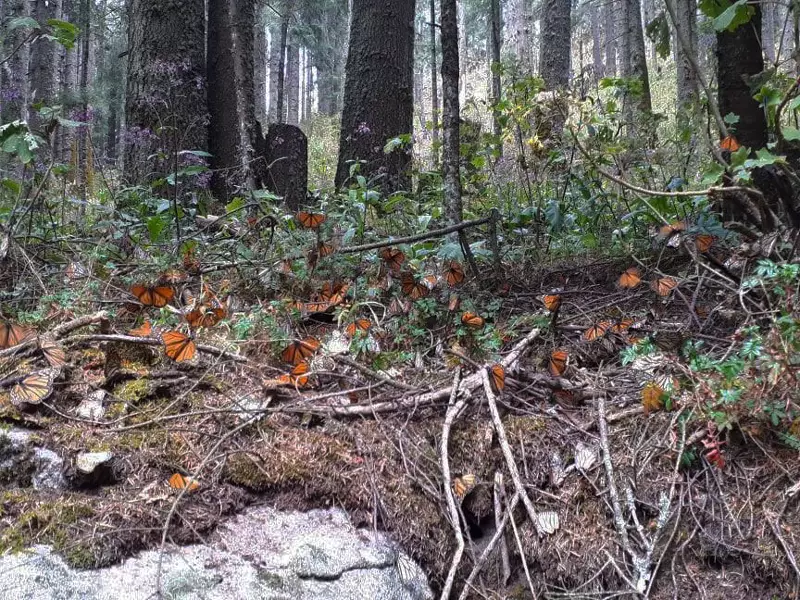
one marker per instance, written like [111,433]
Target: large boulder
[24,464]
[262,554]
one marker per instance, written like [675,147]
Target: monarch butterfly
[663,286]
[671,229]
[181,482]
[333,292]
[497,378]
[358,325]
[143,331]
[631,278]
[454,274]
[652,397]
[552,302]
[622,325]
[310,220]
[597,331]
[413,288]
[12,334]
[299,350]
[548,521]
[34,388]
[157,296]
[393,257]
[463,485]
[730,144]
[557,365]
[703,242]
[324,249]
[299,374]
[205,316]
[585,457]
[178,346]
[173,277]
[472,320]
[52,351]
[398,306]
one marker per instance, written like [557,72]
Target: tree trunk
[496,25]
[463,53]
[554,52]
[378,96]
[598,69]
[165,107]
[280,90]
[451,118]
[14,76]
[233,132]
[634,63]
[520,25]
[434,84]
[768,30]
[739,56]
[687,80]
[43,67]
[309,85]
[260,66]
[274,60]
[610,12]
[116,84]
[293,82]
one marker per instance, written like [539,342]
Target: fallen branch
[416,238]
[453,408]
[370,373]
[58,332]
[150,341]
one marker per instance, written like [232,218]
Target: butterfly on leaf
[663,285]
[53,351]
[205,316]
[183,482]
[703,242]
[557,365]
[357,325]
[729,144]
[145,330]
[12,334]
[179,346]
[310,220]
[671,229]
[454,274]
[552,302]
[299,350]
[412,288]
[394,258]
[596,331]
[157,296]
[497,378]
[472,320]
[34,388]
[464,485]
[324,249]
[333,292]
[631,278]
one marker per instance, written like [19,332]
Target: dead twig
[453,408]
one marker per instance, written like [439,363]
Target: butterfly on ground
[497,378]
[324,249]
[179,346]
[631,278]
[547,521]
[472,320]
[652,397]
[53,351]
[394,258]
[205,316]
[597,331]
[34,388]
[454,303]
[671,229]
[454,273]
[663,285]
[703,242]
[413,288]
[558,363]
[552,302]
[183,482]
[299,350]
[153,295]
[144,330]
[357,325]
[310,220]
[464,485]
[12,334]
[173,277]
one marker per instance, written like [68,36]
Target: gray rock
[22,464]
[260,555]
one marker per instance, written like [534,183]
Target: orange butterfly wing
[178,346]
[144,331]
[472,320]
[703,242]
[412,288]
[552,302]
[53,352]
[299,350]
[157,296]
[597,331]
[310,220]
[179,482]
[393,257]
[558,363]
[630,278]
[497,378]
[729,143]
[663,286]
[12,334]
[454,274]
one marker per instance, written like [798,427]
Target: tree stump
[287,160]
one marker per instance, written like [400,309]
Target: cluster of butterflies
[675,234]
[207,311]
[37,386]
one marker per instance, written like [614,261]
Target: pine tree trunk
[274,60]
[434,83]
[233,133]
[554,56]
[280,90]
[463,49]
[634,63]
[43,67]
[165,106]
[260,67]
[451,118]
[378,95]
[520,25]
[687,81]
[309,85]
[496,40]
[768,30]
[610,27]
[293,83]
[14,76]
[598,69]
[739,56]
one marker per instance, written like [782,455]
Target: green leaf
[235,205]
[790,134]
[155,226]
[20,22]
[731,119]
[63,32]
[658,32]
[763,158]
[735,15]
[713,174]
[200,153]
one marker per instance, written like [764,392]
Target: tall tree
[634,62]
[451,118]
[260,66]
[13,75]
[434,83]
[232,130]
[555,48]
[275,58]
[598,68]
[44,56]
[610,30]
[165,108]
[739,58]
[520,25]
[378,93]
[686,35]
[292,83]
[496,25]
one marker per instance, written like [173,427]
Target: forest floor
[710,512]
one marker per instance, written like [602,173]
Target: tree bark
[451,118]
[634,63]
[309,85]
[233,133]
[554,53]
[378,96]
[44,62]
[14,76]
[520,30]
[610,27]
[768,30]
[274,60]
[165,108]
[496,25]
[688,86]
[739,56]
[598,69]
[292,83]
[260,66]
[434,84]
[280,90]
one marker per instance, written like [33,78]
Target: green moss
[80,556]
[133,391]
[44,523]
